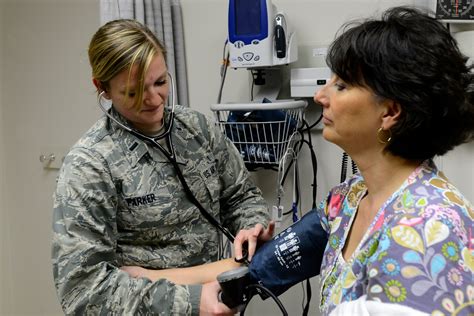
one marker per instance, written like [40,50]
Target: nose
[320,96]
[153,96]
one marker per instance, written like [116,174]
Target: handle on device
[234,285]
[280,35]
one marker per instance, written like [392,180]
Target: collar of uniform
[135,148]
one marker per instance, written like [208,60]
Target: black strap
[203,211]
[171,158]
[308,300]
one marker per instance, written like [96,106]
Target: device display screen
[247,17]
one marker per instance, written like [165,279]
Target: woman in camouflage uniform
[127,240]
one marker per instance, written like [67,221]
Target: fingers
[248,238]
[253,240]
[239,240]
[270,230]
[210,304]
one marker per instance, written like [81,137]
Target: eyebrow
[161,77]
[131,88]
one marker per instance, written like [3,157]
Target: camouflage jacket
[118,202]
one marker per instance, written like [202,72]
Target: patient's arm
[192,275]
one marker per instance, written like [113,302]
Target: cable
[314,124]
[222,243]
[314,163]
[315,168]
[118,8]
[296,191]
[224,66]
[171,156]
[291,163]
[354,167]
[303,300]
[252,86]
[315,171]
[259,288]
[294,205]
[345,157]
[296,148]
[309,294]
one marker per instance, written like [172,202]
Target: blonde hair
[120,45]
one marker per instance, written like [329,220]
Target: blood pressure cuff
[292,256]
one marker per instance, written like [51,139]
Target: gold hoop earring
[384,136]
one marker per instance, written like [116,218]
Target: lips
[151,109]
[326,120]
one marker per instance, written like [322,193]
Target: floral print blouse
[417,252]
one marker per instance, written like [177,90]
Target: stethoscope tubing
[170,155]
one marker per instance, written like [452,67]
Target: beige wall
[2,174]
[47,102]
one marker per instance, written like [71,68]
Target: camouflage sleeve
[242,204]
[86,272]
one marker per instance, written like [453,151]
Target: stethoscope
[171,156]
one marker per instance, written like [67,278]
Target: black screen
[247,17]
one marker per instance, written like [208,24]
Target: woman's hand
[138,272]
[250,238]
[210,304]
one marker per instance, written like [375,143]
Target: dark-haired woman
[399,233]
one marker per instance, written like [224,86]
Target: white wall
[47,102]
[2,174]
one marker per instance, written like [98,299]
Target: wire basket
[261,132]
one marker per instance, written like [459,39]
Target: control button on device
[239,44]
[248,56]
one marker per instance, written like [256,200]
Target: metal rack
[262,132]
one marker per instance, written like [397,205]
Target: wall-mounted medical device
[305,82]
[265,129]
[259,36]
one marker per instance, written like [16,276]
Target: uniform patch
[209,172]
[141,200]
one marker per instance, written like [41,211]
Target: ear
[99,88]
[391,113]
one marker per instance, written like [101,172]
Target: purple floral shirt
[417,252]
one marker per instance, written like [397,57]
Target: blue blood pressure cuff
[292,256]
